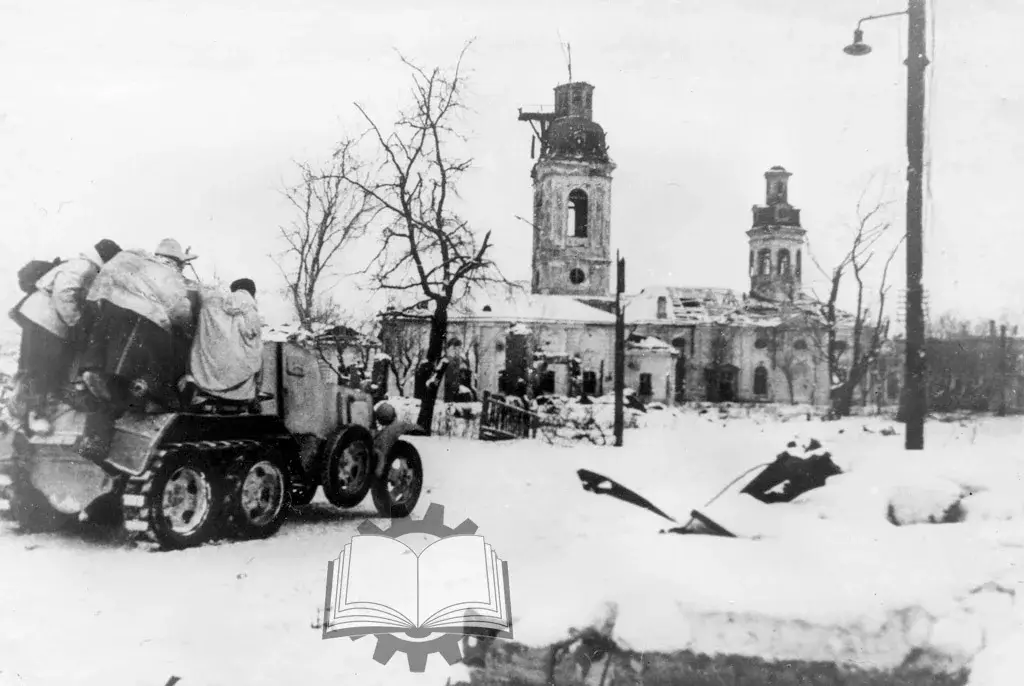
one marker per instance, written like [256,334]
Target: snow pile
[828,577]
[1001,663]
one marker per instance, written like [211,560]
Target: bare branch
[849,360]
[331,215]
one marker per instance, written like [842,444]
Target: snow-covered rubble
[563,420]
[831,578]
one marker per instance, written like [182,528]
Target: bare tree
[849,361]
[330,215]
[426,248]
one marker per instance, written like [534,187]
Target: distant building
[684,344]
[966,372]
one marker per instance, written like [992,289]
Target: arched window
[751,268]
[798,266]
[662,307]
[764,262]
[760,381]
[578,213]
[784,265]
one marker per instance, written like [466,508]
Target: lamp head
[858,47]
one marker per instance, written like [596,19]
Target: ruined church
[557,333]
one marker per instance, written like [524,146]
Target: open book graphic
[455,585]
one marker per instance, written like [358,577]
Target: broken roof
[499,303]
[686,304]
[698,305]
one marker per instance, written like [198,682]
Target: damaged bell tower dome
[571,197]
[574,134]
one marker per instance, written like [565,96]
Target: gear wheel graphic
[445,644]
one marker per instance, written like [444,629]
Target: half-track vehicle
[217,469]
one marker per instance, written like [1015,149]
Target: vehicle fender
[342,435]
[386,438]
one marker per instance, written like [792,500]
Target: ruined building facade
[683,344]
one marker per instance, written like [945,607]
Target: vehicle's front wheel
[398,490]
[348,471]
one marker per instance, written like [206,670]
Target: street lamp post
[916,396]
[620,347]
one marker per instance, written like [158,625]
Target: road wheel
[348,471]
[396,493]
[183,501]
[259,503]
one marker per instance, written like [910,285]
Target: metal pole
[620,347]
[1003,370]
[917,399]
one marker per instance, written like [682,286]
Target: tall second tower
[572,193]
[776,242]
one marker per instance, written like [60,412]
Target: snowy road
[87,609]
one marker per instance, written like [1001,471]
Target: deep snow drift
[826,577]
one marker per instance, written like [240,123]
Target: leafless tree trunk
[848,362]
[426,248]
[330,215]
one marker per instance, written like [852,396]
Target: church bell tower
[776,242]
[572,191]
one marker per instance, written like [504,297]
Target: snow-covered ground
[827,577]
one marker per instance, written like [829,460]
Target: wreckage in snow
[796,470]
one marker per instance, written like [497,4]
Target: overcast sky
[140,119]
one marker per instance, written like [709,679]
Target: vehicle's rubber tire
[260,496]
[26,506]
[188,476]
[348,470]
[396,493]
